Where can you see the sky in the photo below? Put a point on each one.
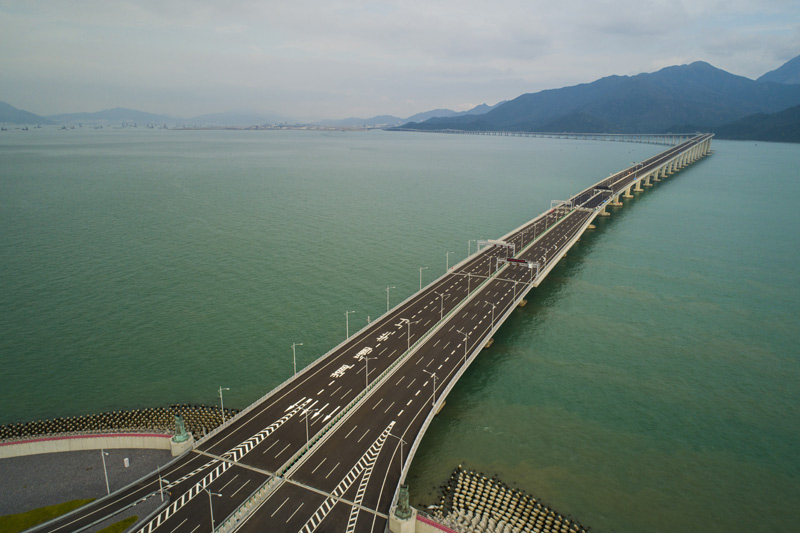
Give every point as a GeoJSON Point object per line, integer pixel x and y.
{"type": "Point", "coordinates": [326, 59]}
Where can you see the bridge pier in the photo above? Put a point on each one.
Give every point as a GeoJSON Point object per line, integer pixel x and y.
{"type": "Point", "coordinates": [603, 212]}
{"type": "Point", "coordinates": [673, 167]}
{"type": "Point", "coordinates": [628, 193]}
{"type": "Point", "coordinates": [647, 181]}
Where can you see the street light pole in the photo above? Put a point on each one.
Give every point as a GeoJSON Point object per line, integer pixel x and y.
{"type": "Point", "coordinates": [433, 399]}
{"type": "Point", "coordinates": [466, 342]}
{"type": "Point", "coordinates": [211, 506]}
{"type": "Point", "coordinates": [307, 410]}
{"type": "Point", "coordinates": [420, 276]}
{"type": "Point", "coordinates": [401, 452]}
{"type": "Point", "coordinates": [407, 321]}
{"type": "Point", "coordinates": [441, 311]}
{"type": "Point", "coordinates": [387, 297]}
{"type": "Point", "coordinates": [222, 405]}
{"type": "Point", "coordinates": [447, 261]}
{"type": "Point", "coordinates": [493, 306]}
{"type": "Point", "coordinates": [161, 482]}
{"type": "Point", "coordinates": [366, 371]}
{"type": "Point", "coordinates": [294, 355]}
{"type": "Point", "coordinates": [103, 454]}
{"type": "Point", "coordinates": [347, 323]}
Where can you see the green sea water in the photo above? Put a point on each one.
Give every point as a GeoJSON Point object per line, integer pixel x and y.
{"type": "Point", "coordinates": [652, 383]}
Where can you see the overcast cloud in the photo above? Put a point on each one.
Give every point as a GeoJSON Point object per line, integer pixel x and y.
{"type": "Point", "coordinates": [310, 59]}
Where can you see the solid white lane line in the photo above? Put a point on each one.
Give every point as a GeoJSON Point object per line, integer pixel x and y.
{"type": "Point", "coordinates": [295, 512]}
{"type": "Point", "coordinates": [240, 488]}
{"type": "Point", "coordinates": [179, 525]}
{"type": "Point", "coordinates": [283, 450]}
{"type": "Point", "coordinates": [270, 446]}
{"type": "Point", "coordinates": [279, 507]}
{"type": "Point", "coordinates": [228, 483]}
{"type": "Point", "coordinates": [332, 469]}
{"type": "Point", "coordinates": [320, 464]}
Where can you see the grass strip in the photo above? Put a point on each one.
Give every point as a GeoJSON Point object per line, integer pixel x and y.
{"type": "Point", "coordinates": [120, 526]}
{"type": "Point", "coordinates": [14, 523]}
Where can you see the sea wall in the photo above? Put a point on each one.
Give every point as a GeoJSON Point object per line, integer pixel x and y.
{"type": "Point", "coordinates": [71, 443]}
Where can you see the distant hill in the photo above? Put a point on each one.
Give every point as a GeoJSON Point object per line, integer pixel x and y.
{"type": "Point", "coordinates": [788, 73]}
{"type": "Point", "coordinates": [11, 115]}
{"type": "Point", "coordinates": [688, 94]}
{"type": "Point", "coordinates": [389, 120]}
{"type": "Point", "coordinates": [117, 114]}
{"type": "Point", "coordinates": [354, 122]}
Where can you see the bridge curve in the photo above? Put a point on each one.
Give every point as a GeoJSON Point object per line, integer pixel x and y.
{"type": "Point", "coordinates": [327, 449]}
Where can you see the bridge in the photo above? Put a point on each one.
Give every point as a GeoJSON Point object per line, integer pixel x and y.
{"type": "Point", "coordinates": [670, 139]}
{"type": "Point", "coordinates": [328, 449]}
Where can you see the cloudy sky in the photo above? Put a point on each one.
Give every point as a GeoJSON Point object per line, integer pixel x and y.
{"type": "Point", "coordinates": [315, 59]}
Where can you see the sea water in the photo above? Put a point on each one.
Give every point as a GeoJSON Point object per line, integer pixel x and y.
{"type": "Point", "coordinates": [652, 383]}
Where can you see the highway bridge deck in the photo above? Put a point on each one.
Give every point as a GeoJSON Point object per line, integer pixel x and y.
{"type": "Point", "coordinates": [327, 449]}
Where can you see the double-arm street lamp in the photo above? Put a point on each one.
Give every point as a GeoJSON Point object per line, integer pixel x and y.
{"type": "Point", "coordinates": [466, 342]}
{"type": "Point", "coordinates": [441, 307]}
{"type": "Point", "coordinates": [433, 398]}
{"type": "Point", "coordinates": [401, 452]}
{"type": "Point", "coordinates": [366, 370]}
{"type": "Point", "coordinates": [407, 321]}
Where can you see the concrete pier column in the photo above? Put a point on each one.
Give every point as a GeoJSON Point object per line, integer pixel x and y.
{"type": "Point", "coordinates": [604, 213]}
{"type": "Point", "coordinates": [663, 171]}
{"type": "Point", "coordinates": [655, 175]}
{"type": "Point", "coordinates": [628, 192]}
{"type": "Point", "coordinates": [647, 181]}
{"type": "Point", "coordinates": [638, 185]}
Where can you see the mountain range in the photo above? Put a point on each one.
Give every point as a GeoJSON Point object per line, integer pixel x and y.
{"type": "Point", "coordinates": [390, 120]}
{"type": "Point", "coordinates": [692, 97]}
{"type": "Point", "coordinates": [670, 99]}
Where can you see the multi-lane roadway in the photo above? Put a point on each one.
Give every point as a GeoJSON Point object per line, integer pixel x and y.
{"type": "Point", "coordinates": [326, 450]}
